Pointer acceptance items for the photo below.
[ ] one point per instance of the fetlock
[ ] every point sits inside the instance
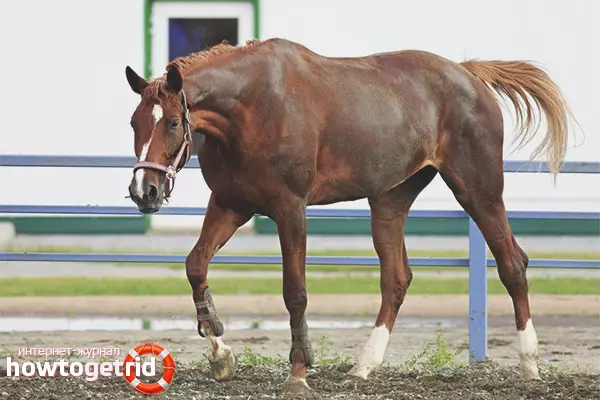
(207, 315)
(301, 342)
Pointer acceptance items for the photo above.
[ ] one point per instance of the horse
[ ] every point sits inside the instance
(283, 127)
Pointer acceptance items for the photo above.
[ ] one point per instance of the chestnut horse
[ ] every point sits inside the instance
(283, 128)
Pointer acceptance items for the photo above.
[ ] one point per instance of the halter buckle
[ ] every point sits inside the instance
(170, 172)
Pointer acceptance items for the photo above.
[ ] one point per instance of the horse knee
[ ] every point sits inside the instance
(409, 277)
(196, 264)
(513, 274)
(295, 301)
(524, 258)
(396, 291)
(403, 283)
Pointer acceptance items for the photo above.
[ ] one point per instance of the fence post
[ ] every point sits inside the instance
(477, 294)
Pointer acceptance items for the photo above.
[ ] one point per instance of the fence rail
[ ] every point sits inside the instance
(310, 212)
(26, 160)
(477, 260)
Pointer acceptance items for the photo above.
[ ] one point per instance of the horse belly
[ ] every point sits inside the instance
(377, 136)
(368, 168)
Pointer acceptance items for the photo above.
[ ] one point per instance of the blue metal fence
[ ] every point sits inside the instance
(477, 260)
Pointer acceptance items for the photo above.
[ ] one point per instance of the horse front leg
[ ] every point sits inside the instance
(220, 223)
(291, 227)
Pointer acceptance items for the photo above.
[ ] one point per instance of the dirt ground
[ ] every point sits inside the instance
(483, 382)
(569, 343)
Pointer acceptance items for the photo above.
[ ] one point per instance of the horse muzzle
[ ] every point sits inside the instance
(147, 194)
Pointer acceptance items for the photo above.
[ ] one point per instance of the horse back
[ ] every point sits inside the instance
(358, 127)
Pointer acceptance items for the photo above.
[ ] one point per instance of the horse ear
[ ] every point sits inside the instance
(174, 79)
(136, 82)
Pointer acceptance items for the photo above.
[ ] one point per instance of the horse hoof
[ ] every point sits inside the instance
(357, 374)
(530, 373)
(352, 380)
(295, 386)
(223, 368)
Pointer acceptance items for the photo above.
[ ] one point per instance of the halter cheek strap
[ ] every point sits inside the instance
(185, 148)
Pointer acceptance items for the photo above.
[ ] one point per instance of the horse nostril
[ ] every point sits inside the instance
(152, 192)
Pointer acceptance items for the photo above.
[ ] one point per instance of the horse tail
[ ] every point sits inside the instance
(516, 80)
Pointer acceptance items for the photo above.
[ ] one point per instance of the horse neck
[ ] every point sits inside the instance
(214, 93)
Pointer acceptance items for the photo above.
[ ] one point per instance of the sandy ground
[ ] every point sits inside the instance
(568, 329)
(568, 342)
(318, 304)
(571, 344)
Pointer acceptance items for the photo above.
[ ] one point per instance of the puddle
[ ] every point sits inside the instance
(45, 324)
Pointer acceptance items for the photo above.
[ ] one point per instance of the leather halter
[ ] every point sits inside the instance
(185, 148)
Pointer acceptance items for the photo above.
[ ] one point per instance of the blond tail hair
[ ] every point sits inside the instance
(516, 80)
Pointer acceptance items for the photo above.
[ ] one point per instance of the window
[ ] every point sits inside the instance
(188, 35)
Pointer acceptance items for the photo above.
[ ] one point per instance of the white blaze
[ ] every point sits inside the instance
(157, 113)
(372, 355)
(528, 351)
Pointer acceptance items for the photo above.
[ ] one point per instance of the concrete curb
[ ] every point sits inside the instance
(7, 233)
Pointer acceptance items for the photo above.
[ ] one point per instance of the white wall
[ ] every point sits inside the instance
(560, 35)
(64, 89)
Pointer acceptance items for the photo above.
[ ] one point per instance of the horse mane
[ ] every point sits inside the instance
(191, 62)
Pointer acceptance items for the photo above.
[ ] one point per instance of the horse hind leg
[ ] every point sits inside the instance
(388, 215)
(472, 168)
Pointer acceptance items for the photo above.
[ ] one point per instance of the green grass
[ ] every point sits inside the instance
(172, 286)
(591, 255)
(434, 357)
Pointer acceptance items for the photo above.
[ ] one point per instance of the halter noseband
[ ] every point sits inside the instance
(174, 168)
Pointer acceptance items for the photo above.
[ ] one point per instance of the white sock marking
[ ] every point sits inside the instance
(219, 352)
(528, 351)
(372, 355)
(157, 113)
(219, 349)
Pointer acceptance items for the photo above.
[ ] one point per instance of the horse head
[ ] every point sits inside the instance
(162, 137)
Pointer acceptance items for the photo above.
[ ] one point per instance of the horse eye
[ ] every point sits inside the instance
(173, 122)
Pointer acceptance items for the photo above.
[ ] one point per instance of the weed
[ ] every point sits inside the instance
(199, 364)
(322, 356)
(255, 325)
(103, 359)
(249, 357)
(434, 358)
(554, 371)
